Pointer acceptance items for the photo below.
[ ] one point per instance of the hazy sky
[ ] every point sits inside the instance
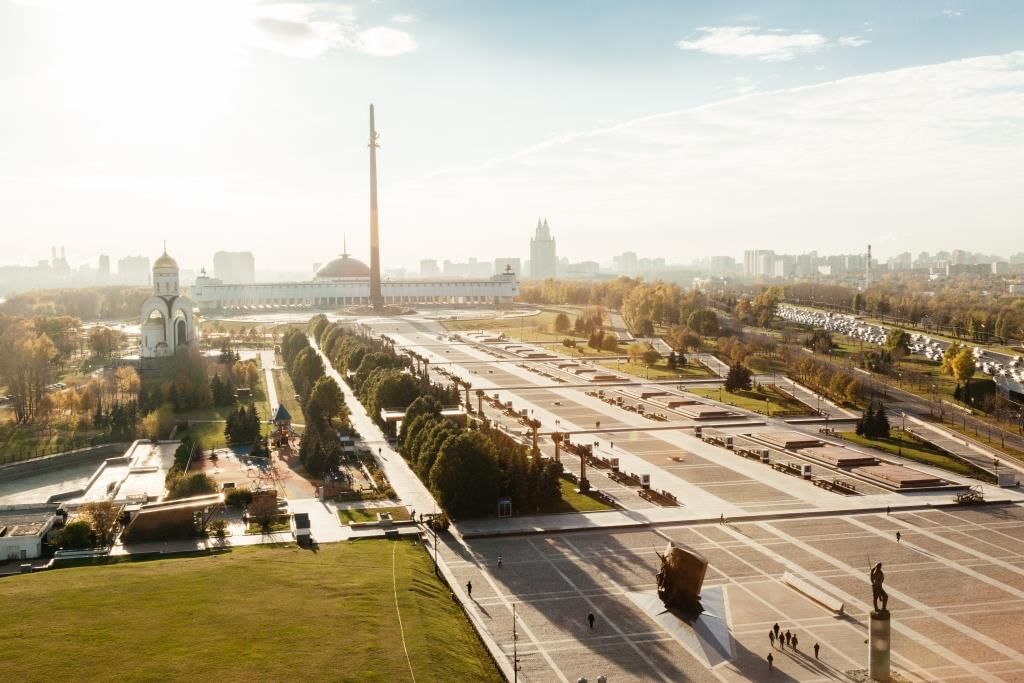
(675, 129)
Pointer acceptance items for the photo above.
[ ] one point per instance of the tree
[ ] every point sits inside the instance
(158, 424)
(104, 342)
(102, 518)
(645, 327)
(963, 368)
(635, 351)
(325, 401)
(704, 322)
(191, 484)
(562, 323)
(737, 378)
(76, 535)
(610, 342)
(672, 360)
(465, 476)
(650, 357)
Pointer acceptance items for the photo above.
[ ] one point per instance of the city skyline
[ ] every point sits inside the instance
(727, 121)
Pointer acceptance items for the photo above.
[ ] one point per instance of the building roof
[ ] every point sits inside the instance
(343, 267)
(282, 414)
(165, 261)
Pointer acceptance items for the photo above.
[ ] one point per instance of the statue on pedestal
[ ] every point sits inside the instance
(877, 591)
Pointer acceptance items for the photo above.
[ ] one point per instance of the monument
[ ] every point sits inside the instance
(680, 580)
(168, 321)
(880, 634)
(376, 299)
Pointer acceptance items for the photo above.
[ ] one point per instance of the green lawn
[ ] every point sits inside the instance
(906, 445)
(252, 614)
(25, 441)
(781, 404)
(578, 502)
(991, 438)
(259, 397)
(370, 514)
(538, 328)
(286, 394)
(211, 434)
(659, 370)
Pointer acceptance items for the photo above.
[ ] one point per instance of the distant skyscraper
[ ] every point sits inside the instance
(428, 268)
(133, 270)
(758, 262)
(543, 257)
(500, 264)
(103, 272)
(626, 263)
(234, 267)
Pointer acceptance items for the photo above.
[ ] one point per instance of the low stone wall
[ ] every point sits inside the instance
(16, 470)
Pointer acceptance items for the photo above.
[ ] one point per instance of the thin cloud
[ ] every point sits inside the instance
(852, 41)
(405, 19)
(952, 13)
(752, 41)
(308, 30)
(383, 41)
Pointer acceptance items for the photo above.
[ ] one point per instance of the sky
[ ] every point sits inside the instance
(673, 129)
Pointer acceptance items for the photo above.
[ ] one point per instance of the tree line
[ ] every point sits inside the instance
(467, 469)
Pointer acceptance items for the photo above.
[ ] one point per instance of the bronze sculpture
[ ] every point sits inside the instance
(681, 578)
(877, 592)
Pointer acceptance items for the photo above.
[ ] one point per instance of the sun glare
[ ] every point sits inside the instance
(147, 64)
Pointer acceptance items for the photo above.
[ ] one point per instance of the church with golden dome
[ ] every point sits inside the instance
(168, 321)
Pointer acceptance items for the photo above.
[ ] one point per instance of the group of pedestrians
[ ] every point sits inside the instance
(784, 640)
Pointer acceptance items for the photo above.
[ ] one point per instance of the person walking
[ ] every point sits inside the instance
(469, 588)
(788, 637)
(888, 510)
(770, 660)
(590, 620)
(499, 560)
(721, 518)
(898, 536)
(795, 641)
(771, 637)
(776, 629)
(816, 648)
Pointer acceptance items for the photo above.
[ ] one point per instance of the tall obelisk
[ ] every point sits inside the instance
(376, 300)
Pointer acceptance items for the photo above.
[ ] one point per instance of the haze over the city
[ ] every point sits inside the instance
(683, 131)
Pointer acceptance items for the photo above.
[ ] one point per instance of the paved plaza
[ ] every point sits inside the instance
(956, 586)
(955, 579)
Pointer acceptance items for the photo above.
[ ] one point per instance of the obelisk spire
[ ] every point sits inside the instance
(376, 300)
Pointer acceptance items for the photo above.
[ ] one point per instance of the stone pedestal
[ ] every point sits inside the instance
(879, 639)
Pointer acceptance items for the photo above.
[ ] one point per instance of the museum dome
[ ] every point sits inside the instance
(343, 267)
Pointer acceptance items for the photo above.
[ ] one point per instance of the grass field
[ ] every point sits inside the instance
(253, 614)
(906, 445)
(538, 328)
(578, 502)
(286, 394)
(24, 441)
(991, 438)
(659, 370)
(370, 514)
(781, 404)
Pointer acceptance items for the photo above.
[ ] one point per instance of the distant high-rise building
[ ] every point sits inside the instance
(543, 256)
(428, 268)
(723, 265)
(103, 272)
(234, 267)
(626, 263)
(501, 264)
(133, 270)
(758, 262)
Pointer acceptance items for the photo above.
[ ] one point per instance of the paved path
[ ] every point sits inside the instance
(268, 360)
(962, 447)
(406, 484)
